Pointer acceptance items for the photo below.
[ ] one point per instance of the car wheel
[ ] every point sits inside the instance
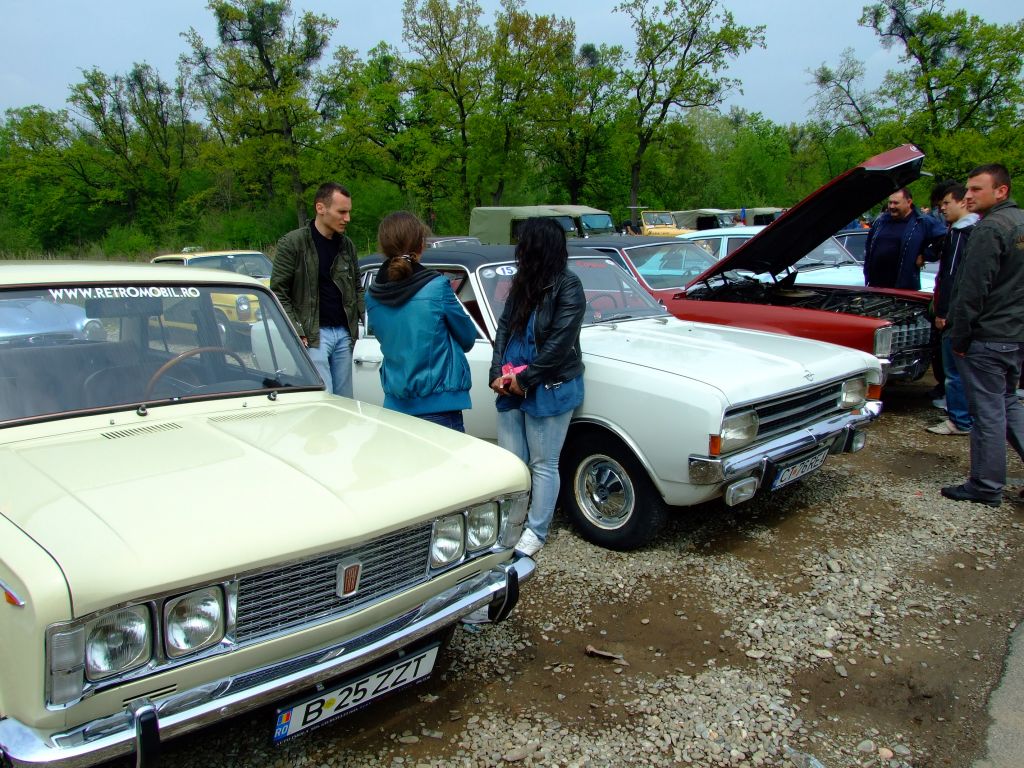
(608, 494)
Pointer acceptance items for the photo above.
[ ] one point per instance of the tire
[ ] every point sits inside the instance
(607, 493)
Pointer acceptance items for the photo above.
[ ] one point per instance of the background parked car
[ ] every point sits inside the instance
(828, 263)
(666, 420)
(754, 286)
(190, 532)
(235, 313)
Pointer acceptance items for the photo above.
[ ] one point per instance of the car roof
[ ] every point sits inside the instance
(749, 230)
(822, 213)
(473, 256)
(33, 273)
(625, 241)
(199, 254)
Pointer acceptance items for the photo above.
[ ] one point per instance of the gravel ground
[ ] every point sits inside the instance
(856, 619)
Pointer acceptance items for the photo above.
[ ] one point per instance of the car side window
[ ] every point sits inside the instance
(733, 243)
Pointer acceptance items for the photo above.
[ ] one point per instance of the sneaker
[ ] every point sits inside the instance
(940, 403)
(529, 544)
(947, 427)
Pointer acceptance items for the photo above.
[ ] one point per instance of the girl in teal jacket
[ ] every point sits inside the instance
(424, 332)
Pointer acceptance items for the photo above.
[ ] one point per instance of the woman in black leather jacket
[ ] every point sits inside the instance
(537, 367)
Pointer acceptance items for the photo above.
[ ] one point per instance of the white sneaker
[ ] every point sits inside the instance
(529, 544)
(947, 427)
(939, 403)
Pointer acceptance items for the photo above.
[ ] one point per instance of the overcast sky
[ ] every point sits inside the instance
(46, 44)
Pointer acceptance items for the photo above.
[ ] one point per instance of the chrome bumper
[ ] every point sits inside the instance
(145, 724)
(836, 433)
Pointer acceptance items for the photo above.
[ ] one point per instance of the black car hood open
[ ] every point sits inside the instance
(823, 213)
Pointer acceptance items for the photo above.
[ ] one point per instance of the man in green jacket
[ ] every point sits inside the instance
(986, 327)
(316, 277)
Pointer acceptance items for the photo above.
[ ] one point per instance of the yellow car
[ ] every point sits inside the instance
(235, 312)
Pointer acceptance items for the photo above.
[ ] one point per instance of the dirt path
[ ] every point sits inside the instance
(910, 668)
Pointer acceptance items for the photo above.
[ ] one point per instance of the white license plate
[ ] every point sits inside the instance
(798, 470)
(353, 694)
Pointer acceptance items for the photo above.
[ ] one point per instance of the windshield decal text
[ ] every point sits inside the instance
(125, 292)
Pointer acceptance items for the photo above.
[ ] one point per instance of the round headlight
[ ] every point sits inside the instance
(482, 526)
(447, 543)
(193, 622)
(738, 430)
(116, 642)
(242, 302)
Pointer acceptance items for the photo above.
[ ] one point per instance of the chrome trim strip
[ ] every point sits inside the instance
(754, 461)
(25, 746)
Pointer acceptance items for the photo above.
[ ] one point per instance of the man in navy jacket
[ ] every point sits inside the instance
(898, 244)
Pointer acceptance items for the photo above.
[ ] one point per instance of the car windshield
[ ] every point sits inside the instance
(597, 223)
(658, 219)
(612, 294)
(75, 348)
(829, 254)
(670, 265)
(251, 264)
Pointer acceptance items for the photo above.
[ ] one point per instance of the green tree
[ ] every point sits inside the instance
(451, 44)
(576, 120)
(959, 93)
(526, 52)
(256, 87)
(143, 139)
(681, 48)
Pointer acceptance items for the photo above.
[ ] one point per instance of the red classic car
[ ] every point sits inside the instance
(754, 287)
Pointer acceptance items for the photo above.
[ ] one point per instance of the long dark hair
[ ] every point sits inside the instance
(541, 255)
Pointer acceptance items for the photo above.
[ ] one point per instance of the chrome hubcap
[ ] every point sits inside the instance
(604, 492)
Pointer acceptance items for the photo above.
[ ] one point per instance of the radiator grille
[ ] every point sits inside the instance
(913, 334)
(790, 412)
(304, 593)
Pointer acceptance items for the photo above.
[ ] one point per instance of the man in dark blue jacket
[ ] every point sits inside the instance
(986, 327)
(899, 242)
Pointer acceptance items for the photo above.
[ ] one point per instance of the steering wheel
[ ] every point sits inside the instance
(595, 297)
(163, 369)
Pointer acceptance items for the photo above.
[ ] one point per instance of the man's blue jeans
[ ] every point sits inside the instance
(538, 442)
(990, 372)
(333, 360)
(956, 398)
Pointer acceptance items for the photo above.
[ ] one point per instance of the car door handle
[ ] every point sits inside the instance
(368, 360)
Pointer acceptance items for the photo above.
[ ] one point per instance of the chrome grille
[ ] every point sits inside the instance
(913, 334)
(304, 593)
(790, 412)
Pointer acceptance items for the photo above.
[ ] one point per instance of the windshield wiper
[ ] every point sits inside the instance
(613, 318)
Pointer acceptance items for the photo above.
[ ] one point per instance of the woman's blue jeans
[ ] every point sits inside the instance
(538, 442)
(450, 419)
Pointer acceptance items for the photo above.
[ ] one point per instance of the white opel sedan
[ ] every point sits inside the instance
(675, 412)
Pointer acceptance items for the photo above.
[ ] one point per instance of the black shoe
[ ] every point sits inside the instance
(960, 493)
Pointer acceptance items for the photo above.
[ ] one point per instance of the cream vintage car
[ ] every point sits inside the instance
(189, 533)
(675, 413)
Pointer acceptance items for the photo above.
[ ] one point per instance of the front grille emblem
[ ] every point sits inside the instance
(349, 572)
(808, 375)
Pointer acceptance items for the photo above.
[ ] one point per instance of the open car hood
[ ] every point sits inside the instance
(822, 213)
